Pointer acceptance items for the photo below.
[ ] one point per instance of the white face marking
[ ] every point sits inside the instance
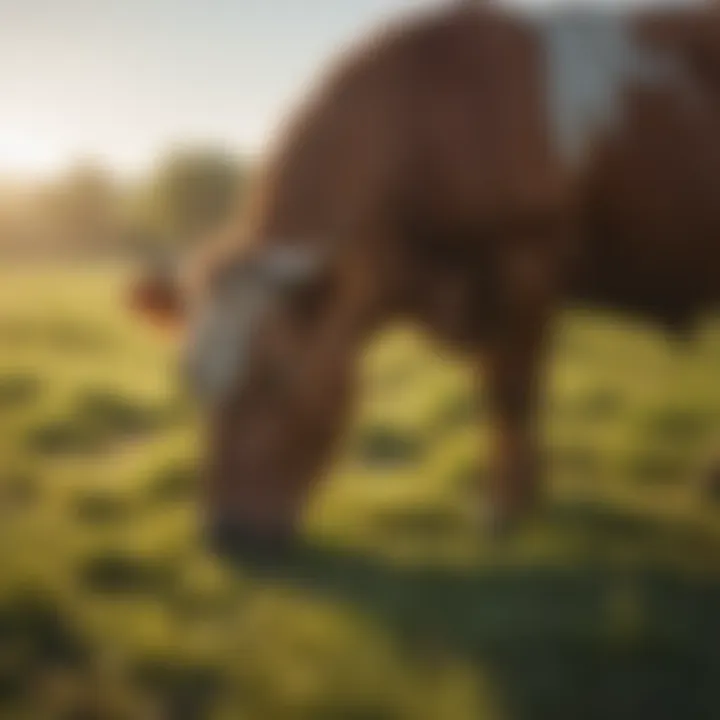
(294, 263)
(223, 327)
(591, 58)
(219, 337)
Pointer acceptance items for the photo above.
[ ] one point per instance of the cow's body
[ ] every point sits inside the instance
(650, 230)
(448, 137)
(478, 168)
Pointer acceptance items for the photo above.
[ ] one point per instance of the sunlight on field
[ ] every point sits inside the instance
(606, 605)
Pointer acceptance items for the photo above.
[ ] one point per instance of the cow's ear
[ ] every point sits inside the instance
(159, 299)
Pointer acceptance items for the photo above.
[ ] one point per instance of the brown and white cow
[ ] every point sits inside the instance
(470, 169)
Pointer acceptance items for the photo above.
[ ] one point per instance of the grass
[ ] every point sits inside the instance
(606, 605)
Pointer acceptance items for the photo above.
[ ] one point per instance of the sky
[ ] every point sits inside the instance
(119, 81)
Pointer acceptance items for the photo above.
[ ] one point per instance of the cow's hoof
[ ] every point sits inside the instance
(498, 523)
(238, 542)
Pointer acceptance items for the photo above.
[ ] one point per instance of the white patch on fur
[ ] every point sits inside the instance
(591, 59)
(294, 263)
(225, 324)
(219, 337)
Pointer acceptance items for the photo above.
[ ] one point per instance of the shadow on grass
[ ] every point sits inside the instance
(34, 633)
(99, 418)
(18, 389)
(593, 638)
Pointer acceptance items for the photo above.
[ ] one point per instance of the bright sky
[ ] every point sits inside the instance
(121, 80)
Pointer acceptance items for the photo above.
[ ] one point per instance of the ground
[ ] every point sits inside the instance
(606, 605)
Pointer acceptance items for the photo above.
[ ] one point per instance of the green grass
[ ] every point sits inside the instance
(606, 605)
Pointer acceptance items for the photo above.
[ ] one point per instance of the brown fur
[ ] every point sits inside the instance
(651, 226)
(425, 161)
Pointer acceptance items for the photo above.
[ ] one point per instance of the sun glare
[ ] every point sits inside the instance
(28, 154)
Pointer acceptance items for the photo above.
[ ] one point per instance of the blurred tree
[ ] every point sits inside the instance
(88, 211)
(80, 209)
(187, 194)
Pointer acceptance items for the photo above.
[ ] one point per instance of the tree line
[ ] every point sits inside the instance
(88, 211)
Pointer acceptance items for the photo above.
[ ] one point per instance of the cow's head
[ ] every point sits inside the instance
(270, 336)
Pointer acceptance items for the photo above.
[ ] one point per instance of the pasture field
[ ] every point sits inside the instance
(606, 606)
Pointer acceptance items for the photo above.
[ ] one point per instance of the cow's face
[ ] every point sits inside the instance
(268, 353)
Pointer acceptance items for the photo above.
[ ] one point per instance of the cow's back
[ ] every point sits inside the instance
(440, 115)
(450, 135)
(478, 145)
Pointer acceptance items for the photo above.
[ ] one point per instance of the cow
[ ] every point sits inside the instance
(471, 169)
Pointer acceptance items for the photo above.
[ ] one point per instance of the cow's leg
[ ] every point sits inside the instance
(512, 370)
(513, 367)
